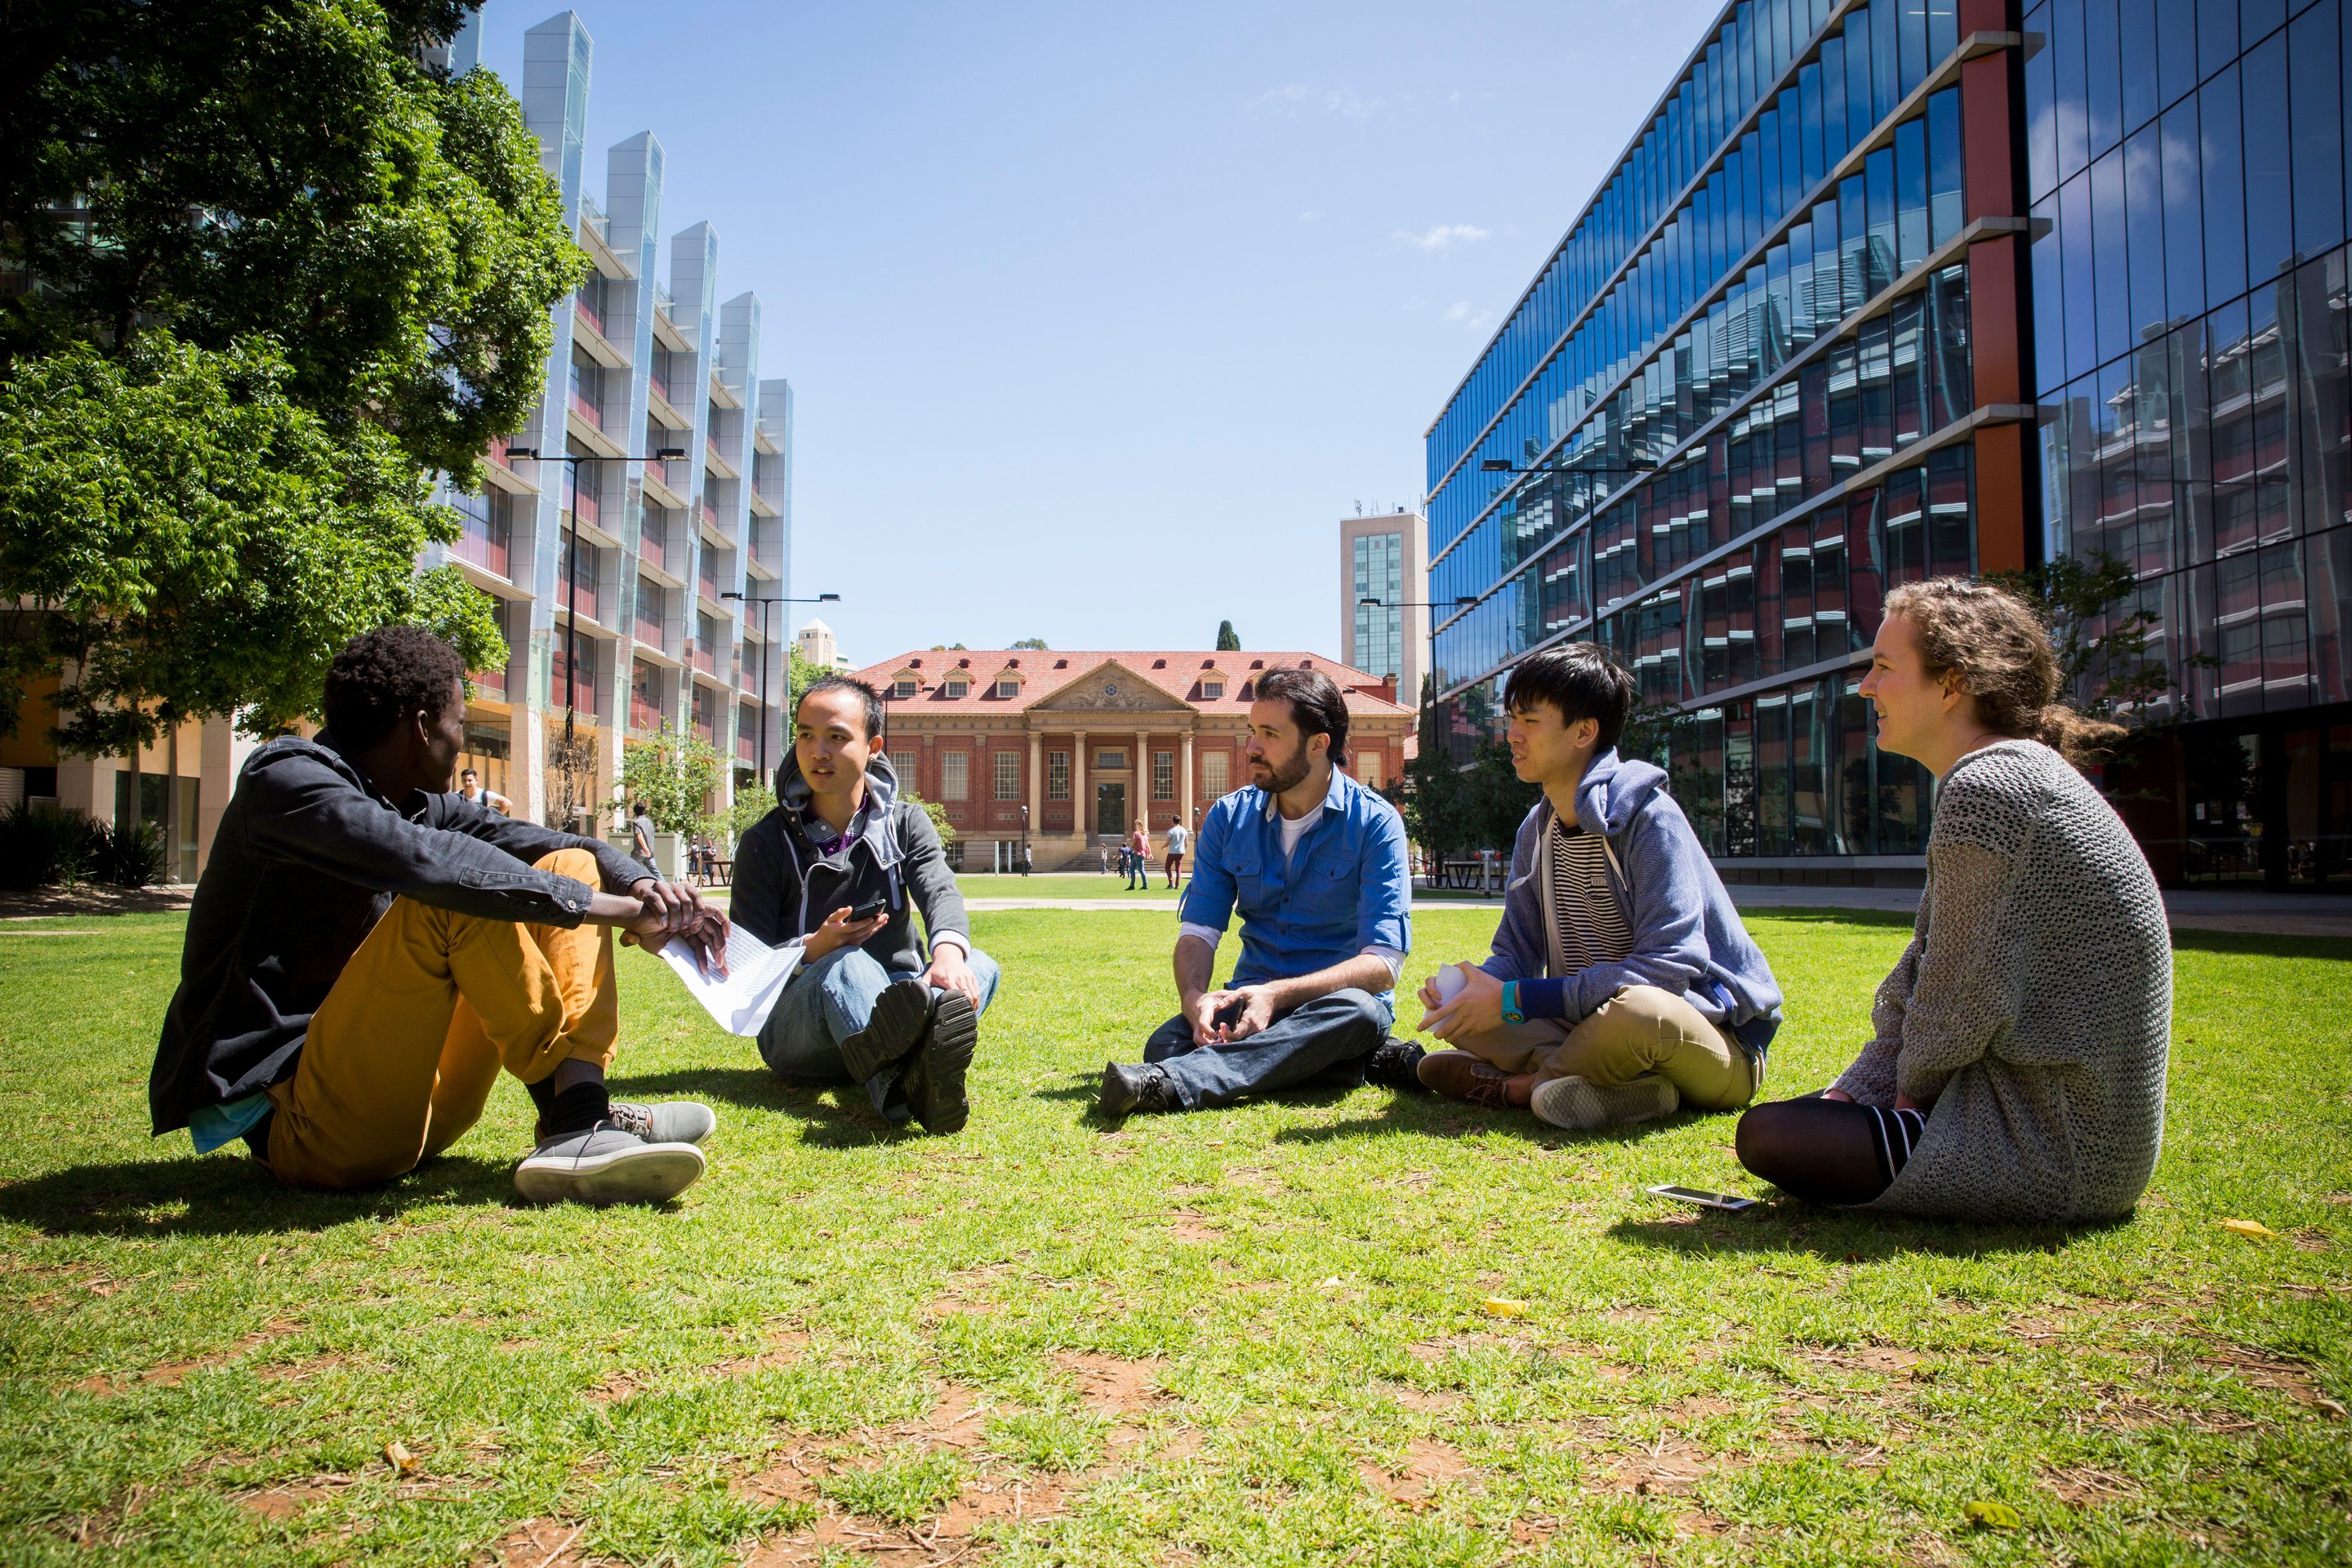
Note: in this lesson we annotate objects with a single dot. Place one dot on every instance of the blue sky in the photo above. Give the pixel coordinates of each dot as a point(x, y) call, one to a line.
point(1100, 316)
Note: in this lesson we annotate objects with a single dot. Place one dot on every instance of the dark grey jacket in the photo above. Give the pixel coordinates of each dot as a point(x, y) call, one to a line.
point(784, 889)
point(307, 859)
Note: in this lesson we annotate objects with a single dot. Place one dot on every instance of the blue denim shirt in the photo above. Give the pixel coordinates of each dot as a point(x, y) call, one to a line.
point(1348, 888)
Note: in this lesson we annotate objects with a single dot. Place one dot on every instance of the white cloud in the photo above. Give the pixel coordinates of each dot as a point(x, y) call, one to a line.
point(1444, 235)
point(1299, 98)
point(1470, 320)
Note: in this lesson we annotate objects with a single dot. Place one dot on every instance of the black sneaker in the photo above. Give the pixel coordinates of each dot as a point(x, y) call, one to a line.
point(1393, 1065)
point(934, 1084)
point(901, 1014)
point(1139, 1087)
point(606, 1165)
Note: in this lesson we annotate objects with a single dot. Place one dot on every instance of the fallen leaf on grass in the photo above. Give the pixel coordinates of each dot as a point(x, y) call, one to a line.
point(2247, 1228)
point(1992, 1515)
point(1333, 1283)
point(1499, 1307)
point(402, 1461)
point(2331, 1407)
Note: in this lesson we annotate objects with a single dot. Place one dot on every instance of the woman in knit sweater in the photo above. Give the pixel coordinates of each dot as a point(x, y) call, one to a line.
point(2017, 1068)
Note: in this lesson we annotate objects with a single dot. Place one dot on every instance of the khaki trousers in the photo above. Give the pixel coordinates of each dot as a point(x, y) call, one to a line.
point(1642, 1029)
point(401, 1058)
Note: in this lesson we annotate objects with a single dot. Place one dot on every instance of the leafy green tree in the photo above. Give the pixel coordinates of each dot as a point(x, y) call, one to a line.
point(2105, 643)
point(282, 272)
point(675, 775)
point(932, 809)
point(1228, 640)
point(1033, 643)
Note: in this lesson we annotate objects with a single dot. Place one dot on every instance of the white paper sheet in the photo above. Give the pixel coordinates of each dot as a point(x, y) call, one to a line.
point(756, 974)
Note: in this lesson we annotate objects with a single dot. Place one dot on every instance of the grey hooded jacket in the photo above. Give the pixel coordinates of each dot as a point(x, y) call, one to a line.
point(1687, 936)
point(784, 889)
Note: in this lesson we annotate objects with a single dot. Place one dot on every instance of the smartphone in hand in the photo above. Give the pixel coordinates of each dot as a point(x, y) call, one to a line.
point(864, 912)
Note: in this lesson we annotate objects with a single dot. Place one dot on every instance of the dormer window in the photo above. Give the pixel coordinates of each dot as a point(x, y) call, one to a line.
point(1213, 687)
point(957, 685)
point(1008, 686)
point(906, 686)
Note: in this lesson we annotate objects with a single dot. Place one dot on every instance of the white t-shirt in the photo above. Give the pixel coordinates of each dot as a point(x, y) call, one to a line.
point(1177, 839)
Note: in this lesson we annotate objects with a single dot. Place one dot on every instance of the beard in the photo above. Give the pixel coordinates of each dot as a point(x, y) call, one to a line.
point(1281, 776)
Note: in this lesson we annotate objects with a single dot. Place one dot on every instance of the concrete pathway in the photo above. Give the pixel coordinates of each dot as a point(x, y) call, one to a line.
point(2187, 909)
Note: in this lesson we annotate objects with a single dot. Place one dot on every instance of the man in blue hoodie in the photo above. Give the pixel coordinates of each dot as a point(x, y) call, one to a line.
point(1622, 986)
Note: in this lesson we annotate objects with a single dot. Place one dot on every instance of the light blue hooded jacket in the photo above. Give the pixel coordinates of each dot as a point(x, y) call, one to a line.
point(1687, 937)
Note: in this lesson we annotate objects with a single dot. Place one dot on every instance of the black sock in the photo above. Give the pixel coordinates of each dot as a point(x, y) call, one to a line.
point(576, 1109)
point(257, 1137)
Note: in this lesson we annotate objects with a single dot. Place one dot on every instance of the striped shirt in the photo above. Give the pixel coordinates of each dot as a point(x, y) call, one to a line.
point(1584, 906)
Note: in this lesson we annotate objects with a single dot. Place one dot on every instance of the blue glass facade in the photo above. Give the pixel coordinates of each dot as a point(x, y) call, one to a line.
point(1892, 288)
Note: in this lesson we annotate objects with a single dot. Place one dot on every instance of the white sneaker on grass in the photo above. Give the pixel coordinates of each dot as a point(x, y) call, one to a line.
point(606, 1165)
point(1581, 1106)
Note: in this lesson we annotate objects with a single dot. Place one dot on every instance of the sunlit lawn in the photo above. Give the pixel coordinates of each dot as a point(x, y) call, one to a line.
point(1258, 1336)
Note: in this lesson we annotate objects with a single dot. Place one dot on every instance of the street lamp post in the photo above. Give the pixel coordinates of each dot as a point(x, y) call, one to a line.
point(572, 560)
point(1367, 602)
point(764, 645)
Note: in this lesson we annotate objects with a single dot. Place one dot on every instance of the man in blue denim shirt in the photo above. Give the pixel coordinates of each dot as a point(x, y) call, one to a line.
point(1316, 865)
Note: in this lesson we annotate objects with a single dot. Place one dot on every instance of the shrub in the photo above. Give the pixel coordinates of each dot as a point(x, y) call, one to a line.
point(127, 855)
point(40, 846)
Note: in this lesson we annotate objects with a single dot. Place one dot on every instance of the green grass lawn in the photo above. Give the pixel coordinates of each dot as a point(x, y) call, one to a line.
point(1064, 885)
point(1249, 1337)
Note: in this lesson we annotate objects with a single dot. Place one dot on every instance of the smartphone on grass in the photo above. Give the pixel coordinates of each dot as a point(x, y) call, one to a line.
point(1729, 1202)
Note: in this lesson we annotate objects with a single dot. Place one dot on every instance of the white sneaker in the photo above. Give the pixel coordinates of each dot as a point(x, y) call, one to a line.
point(1581, 1106)
point(606, 1165)
point(667, 1122)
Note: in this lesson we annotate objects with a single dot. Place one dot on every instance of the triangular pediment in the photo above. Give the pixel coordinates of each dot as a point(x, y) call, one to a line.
point(1111, 688)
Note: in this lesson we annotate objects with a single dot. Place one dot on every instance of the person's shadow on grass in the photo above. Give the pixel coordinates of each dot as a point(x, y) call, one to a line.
point(1841, 1236)
point(221, 1195)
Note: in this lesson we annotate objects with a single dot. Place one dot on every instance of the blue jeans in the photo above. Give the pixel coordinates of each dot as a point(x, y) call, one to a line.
point(827, 1001)
point(1136, 875)
point(1322, 1043)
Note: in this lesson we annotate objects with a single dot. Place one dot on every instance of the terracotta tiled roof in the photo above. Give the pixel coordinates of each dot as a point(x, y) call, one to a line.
point(1177, 674)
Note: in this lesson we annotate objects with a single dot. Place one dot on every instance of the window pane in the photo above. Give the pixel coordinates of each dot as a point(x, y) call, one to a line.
point(2176, 48)
point(2184, 221)
point(2102, 98)
point(2143, 204)
point(2225, 174)
point(2049, 301)
point(2041, 109)
point(2217, 35)
point(1947, 167)
point(2066, 49)
point(2318, 125)
point(2269, 214)
point(2136, 35)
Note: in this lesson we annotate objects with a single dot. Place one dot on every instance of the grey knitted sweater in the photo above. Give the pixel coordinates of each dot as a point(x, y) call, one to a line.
point(2033, 1009)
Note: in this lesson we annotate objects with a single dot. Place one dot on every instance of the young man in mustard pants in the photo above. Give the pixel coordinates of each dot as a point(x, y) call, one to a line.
point(367, 952)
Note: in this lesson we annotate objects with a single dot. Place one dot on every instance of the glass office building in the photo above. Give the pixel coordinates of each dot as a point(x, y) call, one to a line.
point(1885, 290)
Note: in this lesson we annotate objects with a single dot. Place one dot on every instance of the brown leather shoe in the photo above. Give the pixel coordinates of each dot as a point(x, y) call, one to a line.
point(1458, 1075)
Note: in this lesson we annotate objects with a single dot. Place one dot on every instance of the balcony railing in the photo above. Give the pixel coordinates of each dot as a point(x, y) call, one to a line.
point(653, 544)
point(699, 655)
point(643, 715)
point(705, 581)
point(489, 682)
point(659, 383)
point(580, 597)
point(744, 749)
point(589, 313)
point(588, 411)
point(709, 512)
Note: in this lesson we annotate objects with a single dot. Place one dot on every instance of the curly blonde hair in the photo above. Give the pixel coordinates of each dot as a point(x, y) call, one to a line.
point(1990, 644)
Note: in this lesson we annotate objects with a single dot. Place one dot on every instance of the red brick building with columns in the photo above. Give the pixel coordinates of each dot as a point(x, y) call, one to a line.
point(1086, 742)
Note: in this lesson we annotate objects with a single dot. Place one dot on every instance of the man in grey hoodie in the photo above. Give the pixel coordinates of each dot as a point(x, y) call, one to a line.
point(1622, 985)
point(869, 1003)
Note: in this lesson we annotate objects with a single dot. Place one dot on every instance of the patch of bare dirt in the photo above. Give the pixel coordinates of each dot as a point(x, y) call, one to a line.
point(617, 1386)
point(2262, 1370)
point(1253, 1178)
point(782, 1348)
point(285, 1500)
point(1415, 1481)
point(2086, 1487)
point(541, 1543)
point(1669, 1467)
point(1887, 1360)
point(172, 1374)
point(1196, 1229)
point(1632, 1315)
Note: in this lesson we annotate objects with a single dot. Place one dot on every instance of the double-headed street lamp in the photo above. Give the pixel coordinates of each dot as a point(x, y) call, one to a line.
point(764, 645)
point(571, 564)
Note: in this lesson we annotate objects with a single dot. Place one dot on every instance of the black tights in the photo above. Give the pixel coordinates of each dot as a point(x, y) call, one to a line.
point(1829, 1151)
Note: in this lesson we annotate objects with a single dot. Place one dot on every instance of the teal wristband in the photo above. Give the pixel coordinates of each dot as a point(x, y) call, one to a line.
point(1511, 1014)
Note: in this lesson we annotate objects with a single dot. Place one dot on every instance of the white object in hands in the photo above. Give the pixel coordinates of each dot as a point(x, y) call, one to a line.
point(756, 974)
point(1449, 980)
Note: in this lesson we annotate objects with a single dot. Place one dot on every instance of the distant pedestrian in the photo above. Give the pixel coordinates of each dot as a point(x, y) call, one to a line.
point(1138, 858)
point(1178, 836)
point(641, 836)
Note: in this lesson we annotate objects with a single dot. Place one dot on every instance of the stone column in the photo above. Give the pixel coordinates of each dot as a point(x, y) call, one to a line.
point(1078, 802)
point(1184, 778)
point(1142, 801)
point(1035, 794)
